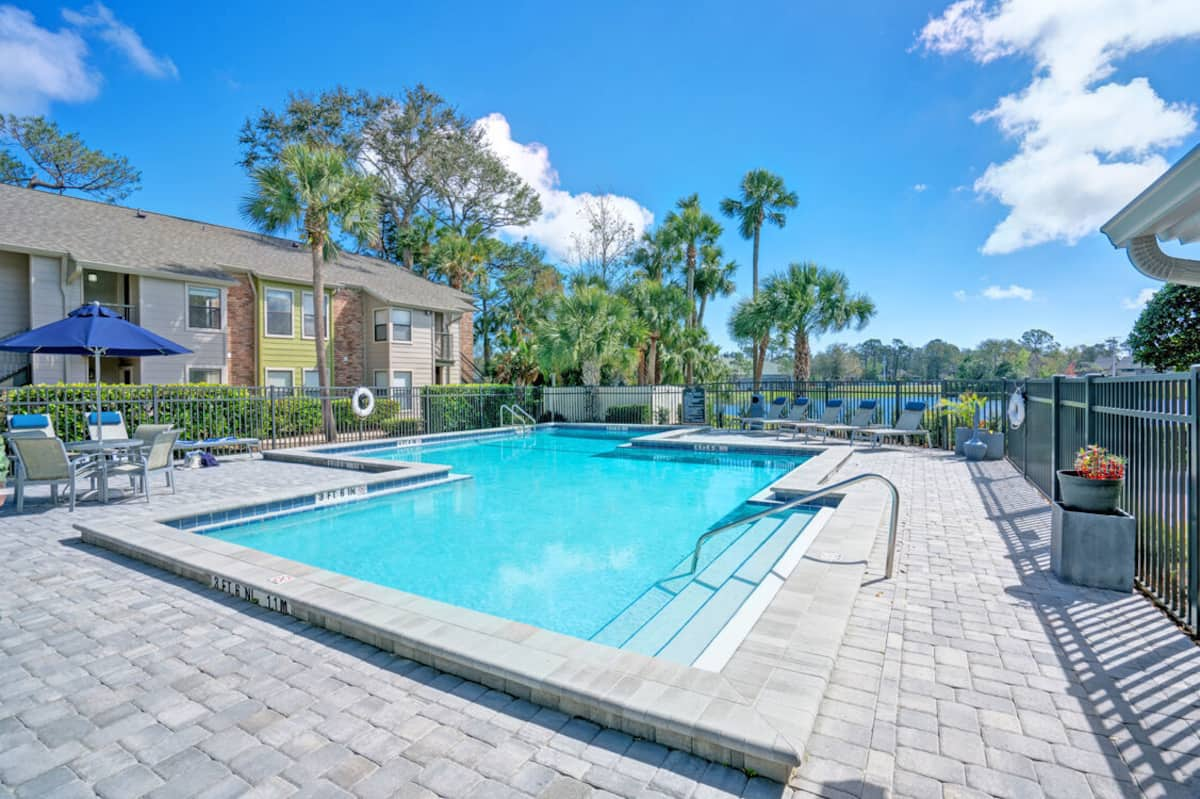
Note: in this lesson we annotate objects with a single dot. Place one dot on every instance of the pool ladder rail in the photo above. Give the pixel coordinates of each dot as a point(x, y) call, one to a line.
point(518, 418)
point(797, 502)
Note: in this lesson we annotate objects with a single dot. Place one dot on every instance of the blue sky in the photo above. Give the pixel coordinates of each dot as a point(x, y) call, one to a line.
point(871, 113)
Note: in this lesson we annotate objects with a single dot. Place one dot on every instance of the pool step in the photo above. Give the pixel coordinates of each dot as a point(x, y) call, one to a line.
point(678, 622)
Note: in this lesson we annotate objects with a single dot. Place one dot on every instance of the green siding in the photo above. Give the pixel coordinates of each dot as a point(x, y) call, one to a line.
point(295, 353)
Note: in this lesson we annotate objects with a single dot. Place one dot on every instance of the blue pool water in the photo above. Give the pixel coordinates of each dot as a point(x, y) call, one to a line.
point(563, 529)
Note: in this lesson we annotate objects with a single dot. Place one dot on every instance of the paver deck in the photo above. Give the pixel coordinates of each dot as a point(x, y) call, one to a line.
point(973, 673)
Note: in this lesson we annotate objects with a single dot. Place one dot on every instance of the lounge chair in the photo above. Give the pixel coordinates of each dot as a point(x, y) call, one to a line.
point(250, 445)
point(861, 420)
point(113, 424)
point(157, 458)
point(147, 432)
point(44, 461)
point(831, 415)
point(31, 424)
point(797, 415)
point(907, 426)
point(755, 413)
point(776, 413)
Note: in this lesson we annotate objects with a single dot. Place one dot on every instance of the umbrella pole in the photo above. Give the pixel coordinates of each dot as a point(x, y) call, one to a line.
point(100, 431)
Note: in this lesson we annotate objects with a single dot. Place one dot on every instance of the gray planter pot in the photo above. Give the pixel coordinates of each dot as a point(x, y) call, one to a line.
point(1093, 549)
point(995, 445)
point(961, 436)
point(1090, 496)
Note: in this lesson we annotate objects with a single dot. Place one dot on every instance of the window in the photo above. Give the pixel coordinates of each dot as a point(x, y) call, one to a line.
point(280, 378)
point(309, 322)
point(204, 308)
point(381, 383)
point(204, 374)
point(310, 378)
point(381, 323)
point(402, 389)
point(279, 312)
point(401, 324)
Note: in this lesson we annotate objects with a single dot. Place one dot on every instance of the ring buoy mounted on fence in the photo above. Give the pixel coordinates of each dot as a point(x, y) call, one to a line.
point(1016, 409)
point(362, 409)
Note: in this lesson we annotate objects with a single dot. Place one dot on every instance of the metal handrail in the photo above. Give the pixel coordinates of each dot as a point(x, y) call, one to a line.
point(519, 417)
point(794, 503)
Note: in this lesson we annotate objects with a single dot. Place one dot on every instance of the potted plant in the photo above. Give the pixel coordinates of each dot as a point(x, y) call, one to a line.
point(1092, 540)
point(966, 415)
point(1095, 484)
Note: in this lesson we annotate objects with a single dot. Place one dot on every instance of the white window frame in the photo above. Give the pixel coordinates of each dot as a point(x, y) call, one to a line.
point(304, 376)
point(187, 300)
point(328, 313)
point(402, 394)
point(218, 369)
point(377, 384)
point(392, 325)
point(387, 325)
point(267, 315)
point(291, 373)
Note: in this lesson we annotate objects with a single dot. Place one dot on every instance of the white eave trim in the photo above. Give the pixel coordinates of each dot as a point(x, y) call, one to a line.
point(1169, 208)
point(1149, 259)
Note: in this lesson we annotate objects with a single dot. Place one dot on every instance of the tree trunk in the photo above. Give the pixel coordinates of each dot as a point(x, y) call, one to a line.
point(801, 356)
point(316, 241)
point(652, 361)
point(700, 315)
point(754, 260)
point(485, 325)
point(691, 284)
point(758, 365)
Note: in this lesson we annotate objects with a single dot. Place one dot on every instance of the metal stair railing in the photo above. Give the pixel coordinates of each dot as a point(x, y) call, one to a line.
point(795, 503)
point(519, 418)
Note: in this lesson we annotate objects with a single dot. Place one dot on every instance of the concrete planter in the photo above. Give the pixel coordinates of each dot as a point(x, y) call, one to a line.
point(994, 441)
point(1091, 496)
point(1093, 549)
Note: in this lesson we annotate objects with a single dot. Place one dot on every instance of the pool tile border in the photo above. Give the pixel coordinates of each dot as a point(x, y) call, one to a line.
point(738, 716)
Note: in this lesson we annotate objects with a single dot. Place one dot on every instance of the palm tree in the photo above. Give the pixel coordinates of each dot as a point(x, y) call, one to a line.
point(809, 300)
point(589, 331)
point(655, 257)
point(764, 199)
point(316, 189)
point(690, 227)
point(459, 257)
point(753, 320)
point(658, 307)
point(714, 278)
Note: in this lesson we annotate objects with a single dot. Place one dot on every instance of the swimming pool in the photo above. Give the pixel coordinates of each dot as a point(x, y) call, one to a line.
point(567, 529)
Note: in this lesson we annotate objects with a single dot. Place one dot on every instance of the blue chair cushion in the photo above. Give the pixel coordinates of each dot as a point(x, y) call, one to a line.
point(106, 417)
point(833, 403)
point(914, 406)
point(29, 421)
point(801, 401)
point(868, 404)
point(779, 401)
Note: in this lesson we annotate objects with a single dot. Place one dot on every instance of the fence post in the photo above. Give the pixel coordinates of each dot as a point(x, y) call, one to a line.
point(1055, 397)
point(1087, 408)
point(1193, 495)
point(898, 407)
point(1025, 431)
point(274, 424)
point(154, 402)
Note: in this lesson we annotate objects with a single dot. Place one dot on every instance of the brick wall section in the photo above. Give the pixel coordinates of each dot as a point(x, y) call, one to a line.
point(348, 337)
point(240, 332)
point(466, 345)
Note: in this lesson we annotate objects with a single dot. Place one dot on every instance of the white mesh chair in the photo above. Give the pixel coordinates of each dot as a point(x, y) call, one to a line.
point(798, 414)
point(156, 458)
point(864, 414)
point(112, 422)
point(43, 461)
point(831, 415)
point(30, 424)
point(908, 426)
point(776, 414)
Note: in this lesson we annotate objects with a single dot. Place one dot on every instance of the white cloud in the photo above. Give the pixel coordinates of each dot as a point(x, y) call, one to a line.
point(1084, 147)
point(561, 218)
point(919, 187)
point(1011, 292)
point(99, 18)
point(1139, 302)
point(41, 66)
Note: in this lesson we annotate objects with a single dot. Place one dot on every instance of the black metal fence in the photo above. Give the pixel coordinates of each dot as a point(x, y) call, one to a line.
point(1154, 422)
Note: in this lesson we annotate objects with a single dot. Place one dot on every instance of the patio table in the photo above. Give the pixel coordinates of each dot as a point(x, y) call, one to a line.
point(106, 450)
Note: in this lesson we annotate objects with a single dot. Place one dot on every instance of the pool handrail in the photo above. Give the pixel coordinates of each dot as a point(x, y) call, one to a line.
point(520, 418)
point(798, 501)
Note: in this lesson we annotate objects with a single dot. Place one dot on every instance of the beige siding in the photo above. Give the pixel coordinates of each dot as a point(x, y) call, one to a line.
point(163, 310)
point(46, 305)
point(14, 292)
point(414, 356)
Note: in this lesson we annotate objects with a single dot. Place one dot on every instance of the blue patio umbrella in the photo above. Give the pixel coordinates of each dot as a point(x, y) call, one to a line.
point(96, 331)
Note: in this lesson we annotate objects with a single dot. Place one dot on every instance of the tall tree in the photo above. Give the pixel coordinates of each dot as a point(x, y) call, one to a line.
point(605, 248)
point(659, 307)
point(587, 330)
point(474, 188)
point(1040, 344)
point(317, 190)
point(35, 154)
point(714, 278)
point(763, 199)
point(1167, 333)
point(691, 228)
point(753, 320)
point(656, 256)
point(809, 300)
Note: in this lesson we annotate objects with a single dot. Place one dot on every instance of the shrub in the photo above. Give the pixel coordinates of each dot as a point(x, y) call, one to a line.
point(628, 414)
point(547, 416)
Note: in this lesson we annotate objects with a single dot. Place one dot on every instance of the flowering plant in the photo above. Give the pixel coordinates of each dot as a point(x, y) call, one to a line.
point(1096, 463)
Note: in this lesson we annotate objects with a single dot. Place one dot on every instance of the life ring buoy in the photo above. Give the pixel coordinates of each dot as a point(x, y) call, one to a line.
point(362, 410)
point(1016, 409)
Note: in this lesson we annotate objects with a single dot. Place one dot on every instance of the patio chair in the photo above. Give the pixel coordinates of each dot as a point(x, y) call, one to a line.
point(147, 432)
point(776, 414)
point(861, 420)
point(907, 426)
point(44, 461)
point(157, 458)
point(113, 424)
point(798, 414)
point(250, 445)
point(31, 424)
point(754, 413)
point(830, 416)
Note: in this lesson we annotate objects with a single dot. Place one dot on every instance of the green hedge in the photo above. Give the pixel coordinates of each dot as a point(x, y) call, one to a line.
point(629, 414)
point(473, 407)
